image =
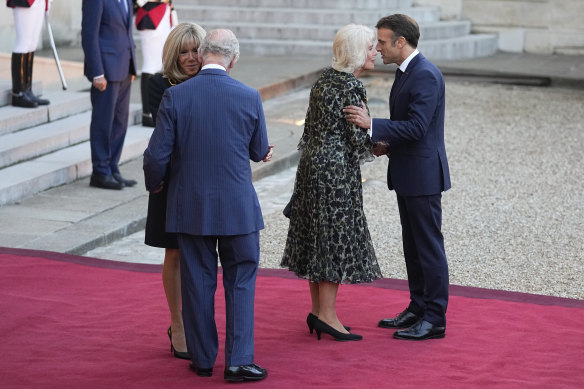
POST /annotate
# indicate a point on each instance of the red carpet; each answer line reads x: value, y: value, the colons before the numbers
x: 76, y: 322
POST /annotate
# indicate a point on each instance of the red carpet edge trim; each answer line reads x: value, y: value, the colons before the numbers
x: 386, y: 283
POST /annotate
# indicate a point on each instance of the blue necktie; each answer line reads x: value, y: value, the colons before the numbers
x: 125, y: 6
x: 398, y: 74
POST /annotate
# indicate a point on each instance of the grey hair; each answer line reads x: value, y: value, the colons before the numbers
x: 222, y: 43
x: 350, y: 47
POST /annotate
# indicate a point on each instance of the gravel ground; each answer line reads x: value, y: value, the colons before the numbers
x: 513, y: 218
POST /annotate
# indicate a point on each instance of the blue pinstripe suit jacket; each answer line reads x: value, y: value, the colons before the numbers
x: 210, y: 126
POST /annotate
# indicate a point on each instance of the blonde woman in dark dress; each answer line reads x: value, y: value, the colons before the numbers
x: 180, y: 62
x: 328, y: 240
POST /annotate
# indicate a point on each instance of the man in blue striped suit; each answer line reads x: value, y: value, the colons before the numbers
x: 210, y: 127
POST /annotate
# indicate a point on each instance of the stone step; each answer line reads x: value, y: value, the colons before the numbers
x: 285, y: 28
x: 308, y: 16
x: 43, y: 139
x: 50, y: 136
x: 13, y: 119
x: 332, y: 4
x: 299, y: 32
x: 63, y: 166
x: 444, y: 29
x: 468, y: 46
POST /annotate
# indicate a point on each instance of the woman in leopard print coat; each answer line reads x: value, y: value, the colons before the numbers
x: 328, y: 241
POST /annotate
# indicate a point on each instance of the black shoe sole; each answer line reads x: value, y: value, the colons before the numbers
x: 388, y: 327
x: 106, y: 187
x: 397, y: 328
x: 181, y: 355
x: 436, y: 336
x: 405, y: 325
x: 240, y: 379
x: 202, y: 372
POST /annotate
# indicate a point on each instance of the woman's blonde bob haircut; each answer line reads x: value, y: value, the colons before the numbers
x: 350, y: 47
x: 180, y: 36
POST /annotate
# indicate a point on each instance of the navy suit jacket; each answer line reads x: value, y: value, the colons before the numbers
x: 415, y: 131
x: 106, y: 38
x: 210, y: 126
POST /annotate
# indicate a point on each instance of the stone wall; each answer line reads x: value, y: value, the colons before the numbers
x: 531, y: 26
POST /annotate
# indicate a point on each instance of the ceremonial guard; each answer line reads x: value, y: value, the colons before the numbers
x: 28, y: 21
x: 154, y: 20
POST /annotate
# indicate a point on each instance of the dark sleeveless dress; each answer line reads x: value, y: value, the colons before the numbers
x: 155, y: 232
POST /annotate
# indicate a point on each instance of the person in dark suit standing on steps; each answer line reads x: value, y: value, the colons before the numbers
x: 211, y: 126
x: 110, y: 66
x: 418, y: 172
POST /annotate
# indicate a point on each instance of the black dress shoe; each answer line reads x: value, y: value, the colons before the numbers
x: 36, y: 98
x: 422, y: 330
x: 403, y: 320
x: 23, y: 100
x: 202, y: 372
x: 118, y: 177
x: 105, y: 182
x: 251, y: 372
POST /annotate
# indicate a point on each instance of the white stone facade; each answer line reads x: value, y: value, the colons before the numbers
x: 531, y: 26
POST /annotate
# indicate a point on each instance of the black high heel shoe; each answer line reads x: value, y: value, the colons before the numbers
x: 321, y: 326
x: 310, y: 321
x: 177, y: 354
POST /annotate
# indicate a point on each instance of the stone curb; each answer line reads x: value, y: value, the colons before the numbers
x: 135, y: 219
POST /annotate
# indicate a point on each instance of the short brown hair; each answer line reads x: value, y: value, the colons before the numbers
x: 401, y: 25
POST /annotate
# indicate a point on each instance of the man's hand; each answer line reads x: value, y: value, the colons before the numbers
x: 380, y: 149
x: 268, y: 156
x: 159, y: 188
x: 100, y: 83
x: 358, y: 115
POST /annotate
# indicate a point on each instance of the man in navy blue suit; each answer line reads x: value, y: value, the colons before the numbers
x: 110, y: 66
x: 418, y: 172
x: 211, y: 126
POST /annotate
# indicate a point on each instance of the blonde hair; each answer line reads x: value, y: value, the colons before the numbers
x: 180, y: 36
x: 350, y: 47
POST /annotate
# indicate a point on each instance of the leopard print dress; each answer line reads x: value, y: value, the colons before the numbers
x: 328, y: 238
